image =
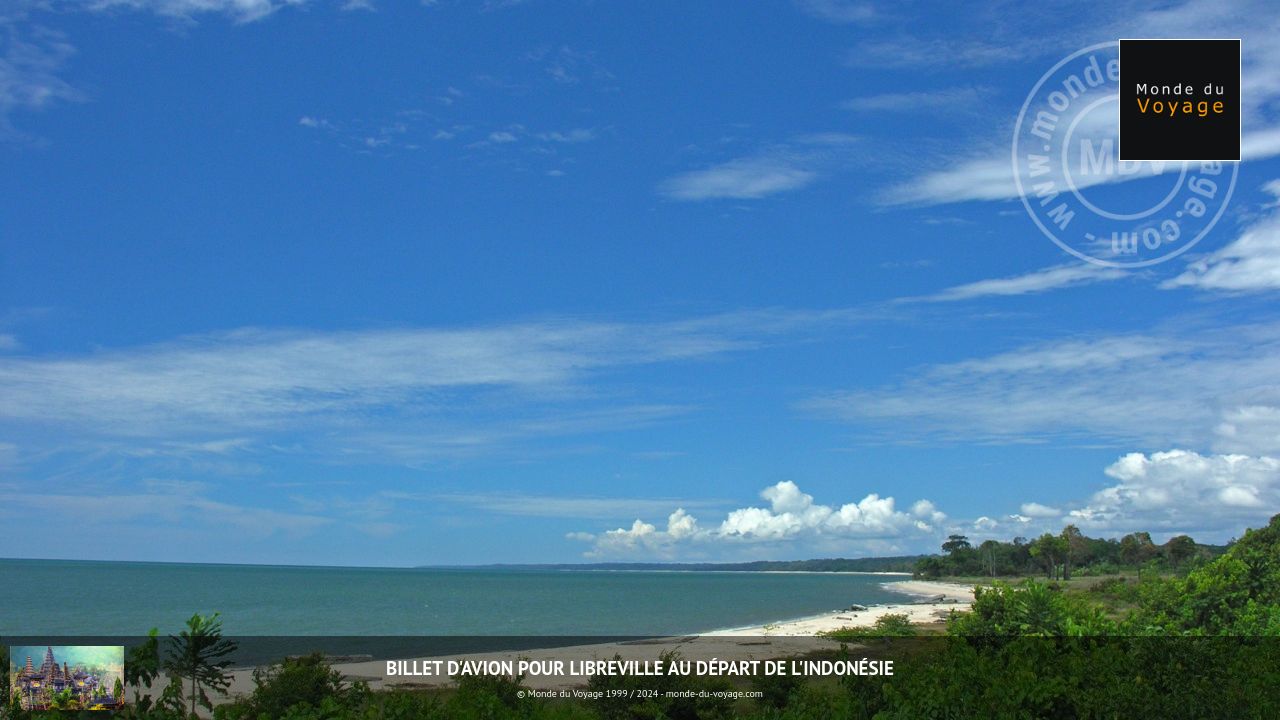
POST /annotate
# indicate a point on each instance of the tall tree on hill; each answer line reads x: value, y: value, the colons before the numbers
x: 1180, y: 548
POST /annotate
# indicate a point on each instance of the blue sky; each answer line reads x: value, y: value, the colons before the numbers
x: 457, y: 282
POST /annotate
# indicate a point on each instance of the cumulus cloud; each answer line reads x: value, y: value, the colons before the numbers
x: 1036, y: 510
x: 791, y: 514
x: 984, y: 524
x: 1184, y: 491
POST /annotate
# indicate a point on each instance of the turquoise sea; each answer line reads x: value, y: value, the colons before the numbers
x: 60, y: 597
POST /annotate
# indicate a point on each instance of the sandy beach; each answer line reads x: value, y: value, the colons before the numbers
x: 934, y: 602
x: 946, y: 597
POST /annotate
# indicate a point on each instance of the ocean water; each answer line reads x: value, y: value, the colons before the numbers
x: 44, y: 597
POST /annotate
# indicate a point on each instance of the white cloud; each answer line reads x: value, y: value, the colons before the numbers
x: 1249, y: 263
x: 576, y: 135
x: 838, y: 11
x: 502, y: 136
x: 319, y: 123
x: 949, y: 99
x: 782, y: 168
x: 30, y: 59
x: 988, y: 175
x: 952, y: 52
x: 1036, y: 510
x: 744, y: 178
x: 566, y: 66
x: 984, y: 524
x: 1201, y: 386
x: 410, y: 393
x: 169, y: 502
x: 791, y: 515
x: 1184, y: 491
x: 559, y: 506
x: 239, y: 10
x: 1050, y: 278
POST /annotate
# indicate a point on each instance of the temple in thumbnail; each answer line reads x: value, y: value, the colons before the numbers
x: 53, y: 685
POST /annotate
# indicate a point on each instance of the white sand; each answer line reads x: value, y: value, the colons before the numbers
x: 955, y: 597
x: 772, y: 640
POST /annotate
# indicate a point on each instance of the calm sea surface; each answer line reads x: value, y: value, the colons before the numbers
x: 70, y: 597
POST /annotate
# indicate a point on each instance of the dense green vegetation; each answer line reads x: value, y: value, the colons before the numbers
x: 1063, y: 555
x: 1200, y: 643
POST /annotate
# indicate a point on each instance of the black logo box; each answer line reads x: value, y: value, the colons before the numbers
x: 1180, y: 65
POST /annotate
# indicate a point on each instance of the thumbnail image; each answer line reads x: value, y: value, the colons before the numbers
x: 67, y: 677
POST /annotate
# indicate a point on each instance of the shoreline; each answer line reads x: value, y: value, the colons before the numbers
x: 770, y: 640
x: 951, y: 596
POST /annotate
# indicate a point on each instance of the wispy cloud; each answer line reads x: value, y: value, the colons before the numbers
x: 779, y: 169
x: 170, y: 503
x: 430, y: 387
x: 952, y: 100
x: 838, y: 11
x: 1216, y: 387
x: 31, y: 57
x: 1038, y: 281
x: 564, y: 506
x: 1248, y: 264
x: 988, y: 174
x: 743, y: 178
x: 565, y: 65
x: 952, y: 52
x: 239, y: 10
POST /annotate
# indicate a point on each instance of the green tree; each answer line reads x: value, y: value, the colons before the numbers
x: 956, y: 544
x: 1136, y: 548
x: 988, y: 551
x: 63, y: 700
x: 1180, y: 548
x: 198, y: 655
x: 141, y: 667
x: 929, y: 567
x: 1048, y: 549
x: 1073, y: 547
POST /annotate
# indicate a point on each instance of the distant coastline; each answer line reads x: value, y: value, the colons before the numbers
x: 898, y: 565
x: 893, y: 565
